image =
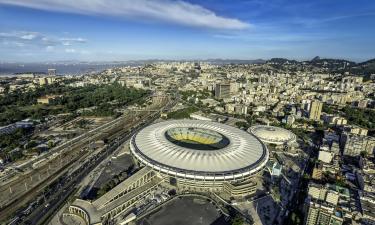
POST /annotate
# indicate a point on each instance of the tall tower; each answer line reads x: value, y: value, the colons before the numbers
x: 51, y: 72
x: 315, y: 110
x: 222, y: 90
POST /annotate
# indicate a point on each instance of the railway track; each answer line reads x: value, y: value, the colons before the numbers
x: 33, y: 192
x: 114, y: 130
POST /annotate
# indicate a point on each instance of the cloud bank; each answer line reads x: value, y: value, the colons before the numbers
x: 36, y: 39
x: 178, y: 12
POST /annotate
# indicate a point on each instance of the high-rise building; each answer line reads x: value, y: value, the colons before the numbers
x: 51, y: 72
x: 319, y: 214
x: 315, y: 110
x: 51, y: 80
x: 324, y: 204
x: 42, y: 81
x: 354, y: 144
x: 46, y: 80
x: 359, y: 130
x: 222, y: 90
x: 317, y: 172
x: 367, y: 200
x: 234, y: 87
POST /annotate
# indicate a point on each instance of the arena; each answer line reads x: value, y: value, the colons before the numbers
x: 199, y: 150
x: 187, y: 156
x: 272, y: 134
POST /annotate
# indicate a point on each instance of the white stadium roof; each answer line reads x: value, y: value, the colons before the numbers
x: 223, y: 152
x: 273, y: 135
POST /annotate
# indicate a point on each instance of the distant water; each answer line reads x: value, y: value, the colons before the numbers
x: 61, y: 68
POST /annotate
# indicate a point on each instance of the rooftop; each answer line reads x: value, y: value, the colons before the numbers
x: 272, y: 134
x: 199, y: 146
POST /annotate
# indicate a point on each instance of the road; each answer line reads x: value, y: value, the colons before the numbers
x: 299, y: 197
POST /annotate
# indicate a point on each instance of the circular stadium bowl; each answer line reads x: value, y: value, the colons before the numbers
x: 199, y: 150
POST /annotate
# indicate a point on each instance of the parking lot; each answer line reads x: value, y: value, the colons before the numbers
x: 114, y: 167
x: 185, y: 211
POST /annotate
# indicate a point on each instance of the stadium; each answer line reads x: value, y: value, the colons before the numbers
x: 273, y: 135
x: 188, y: 156
x: 199, y: 153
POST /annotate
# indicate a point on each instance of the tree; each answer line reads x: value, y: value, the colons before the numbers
x: 19, y: 105
x: 182, y: 113
x: 51, y: 144
x: 364, y: 154
x: 237, y: 220
x: 31, y: 144
x: 241, y: 124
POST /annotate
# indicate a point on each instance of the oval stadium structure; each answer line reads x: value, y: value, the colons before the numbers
x: 272, y: 134
x: 199, y: 150
x: 187, y: 156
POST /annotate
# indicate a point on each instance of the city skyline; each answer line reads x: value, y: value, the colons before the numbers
x: 39, y: 30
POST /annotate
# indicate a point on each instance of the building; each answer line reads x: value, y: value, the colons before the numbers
x: 23, y: 124
x: 320, y: 214
x: 315, y: 110
x: 353, y: 144
x: 229, y: 108
x: 327, y: 205
x: 276, y: 169
x: 359, y: 131
x: 289, y: 119
x: 234, y: 87
x: 47, y: 99
x: 42, y: 81
x: 326, y: 156
x: 336, y: 120
x: 317, y: 172
x: 273, y: 135
x: 362, y: 103
x: 368, y: 205
x: 185, y: 155
x: 197, y: 116
x: 52, y: 72
x: 139, y: 82
x: 240, y: 109
x: 222, y: 91
x: 195, y: 152
x: 46, y: 80
x: 51, y: 80
x: 8, y: 129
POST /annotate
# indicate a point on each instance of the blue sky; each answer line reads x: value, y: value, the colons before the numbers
x: 105, y: 30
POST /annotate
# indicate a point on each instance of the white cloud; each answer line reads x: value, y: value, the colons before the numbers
x: 5, y: 35
x: 36, y: 39
x: 50, y: 48
x: 24, y: 35
x: 80, y: 40
x: 29, y: 36
x: 19, y: 44
x: 179, y: 12
x: 12, y: 43
x: 70, y: 50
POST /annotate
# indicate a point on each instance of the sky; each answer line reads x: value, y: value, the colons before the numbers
x: 108, y: 30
